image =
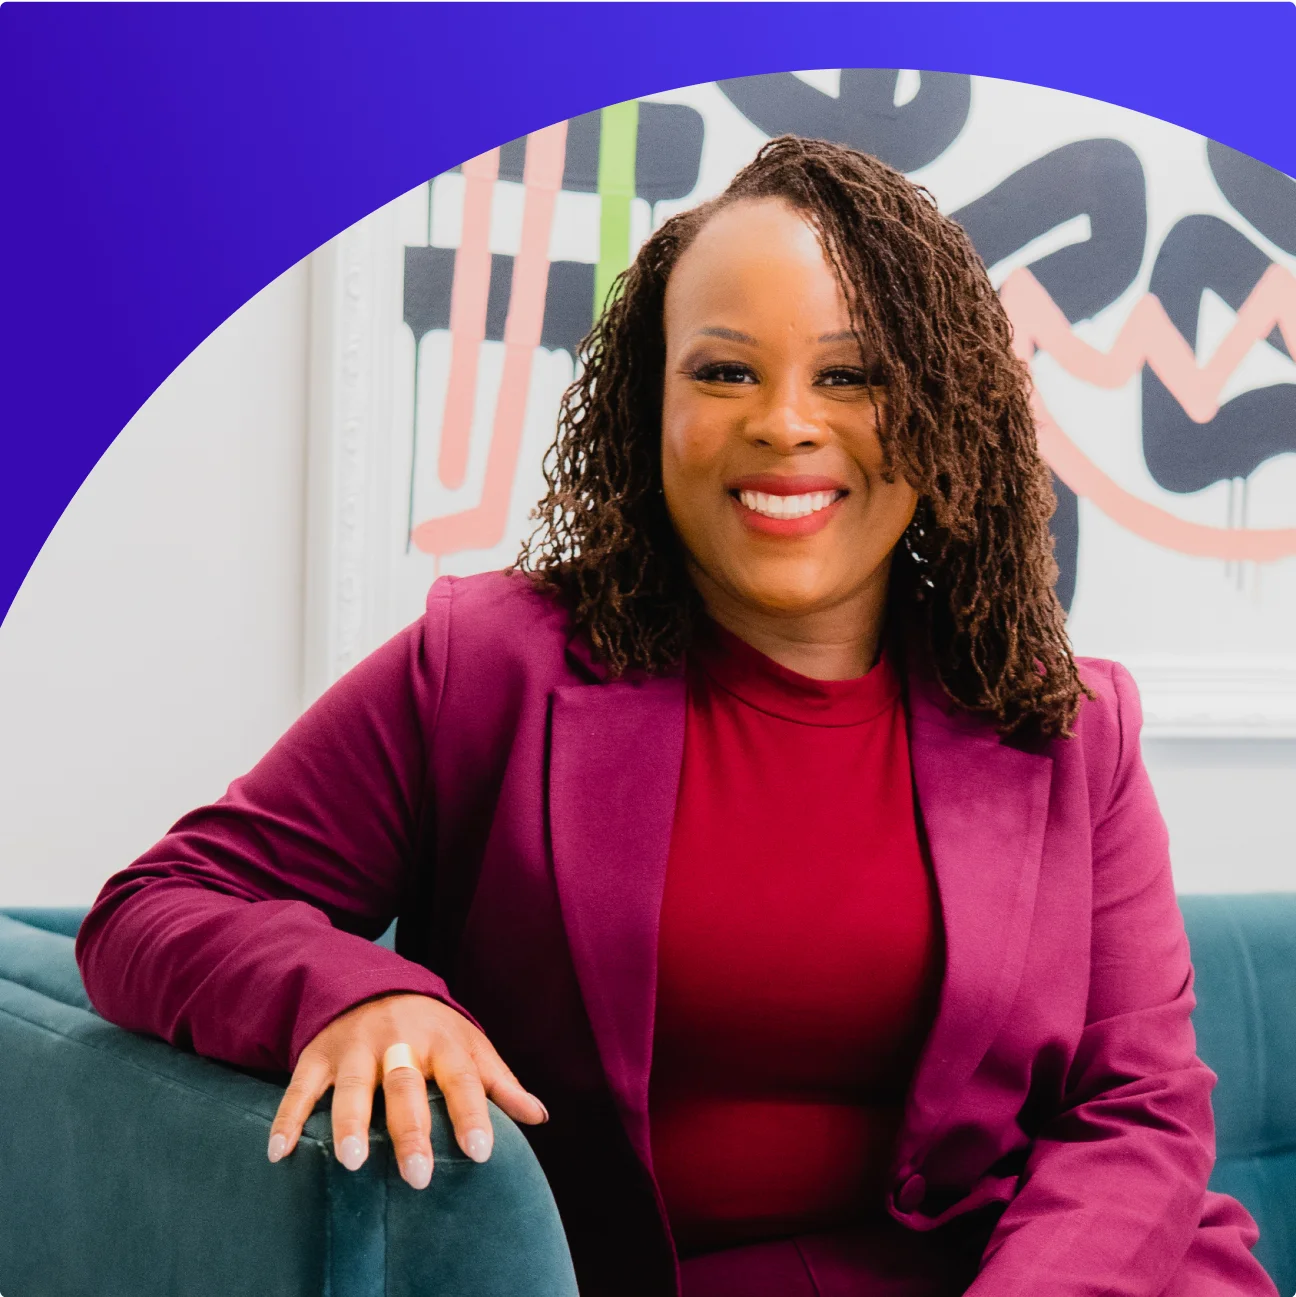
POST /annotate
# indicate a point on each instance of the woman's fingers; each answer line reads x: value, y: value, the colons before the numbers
x: 456, y: 1074
x: 311, y: 1077
x: 507, y: 1091
x: 409, y: 1123
x: 408, y: 1037
x: 353, y: 1090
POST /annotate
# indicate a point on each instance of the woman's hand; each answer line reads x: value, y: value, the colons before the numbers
x: 347, y: 1055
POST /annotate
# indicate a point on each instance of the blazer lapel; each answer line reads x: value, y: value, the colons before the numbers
x: 615, y: 757
x: 983, y: 805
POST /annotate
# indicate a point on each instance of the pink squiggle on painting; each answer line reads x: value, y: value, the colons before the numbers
x: 483, y: 527
x: 1149, y: 337
x: 469, y: 294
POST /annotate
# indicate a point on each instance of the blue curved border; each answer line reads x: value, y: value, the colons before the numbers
x: 161, y: 163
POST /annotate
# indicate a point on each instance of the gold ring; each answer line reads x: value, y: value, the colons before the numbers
x: 400, y: 1055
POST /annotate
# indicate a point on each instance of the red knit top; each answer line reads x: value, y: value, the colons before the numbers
x: 800, y: 950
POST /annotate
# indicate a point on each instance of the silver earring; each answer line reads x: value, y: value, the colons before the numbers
x: 915, y: 537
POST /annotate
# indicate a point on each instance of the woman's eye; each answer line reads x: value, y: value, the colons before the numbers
x: 843, y: 376
x: 723, y: 372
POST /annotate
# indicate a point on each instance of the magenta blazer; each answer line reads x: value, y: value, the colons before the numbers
x: 480, y: 778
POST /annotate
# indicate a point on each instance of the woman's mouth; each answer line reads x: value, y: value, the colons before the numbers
x: 779, y: 513
x: 788, y: 506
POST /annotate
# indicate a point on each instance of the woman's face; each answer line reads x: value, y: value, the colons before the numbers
x: 771, y: 462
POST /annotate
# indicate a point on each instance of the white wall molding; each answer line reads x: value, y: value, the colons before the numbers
x: 348, y: 449
x: 1216, y: 697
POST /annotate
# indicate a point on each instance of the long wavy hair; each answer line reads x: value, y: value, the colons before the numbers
x: 972, y: 590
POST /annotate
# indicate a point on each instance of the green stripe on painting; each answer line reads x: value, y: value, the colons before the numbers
x: 618, y: 140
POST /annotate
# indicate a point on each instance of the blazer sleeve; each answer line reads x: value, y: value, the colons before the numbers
x: 1114, y: 1184
x: 248, y: 928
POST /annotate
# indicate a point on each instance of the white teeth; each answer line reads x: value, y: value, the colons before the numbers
x: 787, y: 506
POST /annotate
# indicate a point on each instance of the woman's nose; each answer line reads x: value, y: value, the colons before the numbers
x: 785, y: 422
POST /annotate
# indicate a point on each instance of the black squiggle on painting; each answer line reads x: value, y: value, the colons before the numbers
x: 569, y: 299
x: 668, y: 152
x: 1065, y: 526
x: 1266, y: 197
x: 668, y: 157
x: 569, y: 305
x: 864, y: 114
x: 1102, y: 179
x: 429, y: 272
x: 1203, y: 252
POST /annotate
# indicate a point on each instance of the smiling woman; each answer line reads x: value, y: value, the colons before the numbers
x: 760, y: 819
x: 770, y: 435
x: 844, y: 321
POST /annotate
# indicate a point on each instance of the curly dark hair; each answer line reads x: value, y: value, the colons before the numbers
x: 957, y: 424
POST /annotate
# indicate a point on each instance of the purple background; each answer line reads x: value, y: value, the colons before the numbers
x: 162, y: 163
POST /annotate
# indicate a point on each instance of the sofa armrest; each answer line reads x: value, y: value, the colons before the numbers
x: 130, y: 1167
x: 50, y: 918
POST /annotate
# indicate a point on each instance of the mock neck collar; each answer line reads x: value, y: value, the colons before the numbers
x: 759, y: 681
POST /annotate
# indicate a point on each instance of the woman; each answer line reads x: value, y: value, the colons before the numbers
x: 760, y: 821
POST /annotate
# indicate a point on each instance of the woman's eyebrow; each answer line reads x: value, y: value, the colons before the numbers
x: 729, y: 335
x: 736, y: 335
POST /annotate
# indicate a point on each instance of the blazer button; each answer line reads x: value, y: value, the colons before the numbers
x: 910, y: 1194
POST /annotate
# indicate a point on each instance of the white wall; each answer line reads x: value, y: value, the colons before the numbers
x: 155, y: 649
x: 1230, y: 805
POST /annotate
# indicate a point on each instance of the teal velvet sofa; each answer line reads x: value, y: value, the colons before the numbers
x: 128, y: 1167
x: 132, y: 1169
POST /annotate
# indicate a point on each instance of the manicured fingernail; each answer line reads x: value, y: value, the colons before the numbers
x: 278, y: 1147
x: 417, y: 1170
x: 544, y: 1111
x: 352, y: 1152
x: 477, y: 1144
